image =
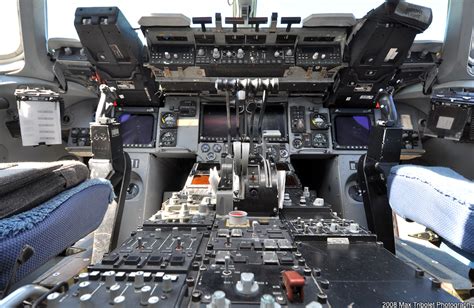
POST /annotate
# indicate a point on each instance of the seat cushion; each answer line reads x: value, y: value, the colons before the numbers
x: 53, y: 226
x: 28, y: 184
x: 436, y: 197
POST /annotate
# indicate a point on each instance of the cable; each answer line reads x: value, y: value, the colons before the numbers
x: 25, y: 254
x: 229, y: 125
x: 59, y: 285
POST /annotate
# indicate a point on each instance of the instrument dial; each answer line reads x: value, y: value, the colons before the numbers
x: 211, y: 156
x: 168, y: 139
x: 283, y: 153
x: 217, y: 148
x: 272, y: 152
x: 205, y: 147
x: 297, y: 143
x: 319, y: 121
x: 169, y: 120
x: 320, y: 140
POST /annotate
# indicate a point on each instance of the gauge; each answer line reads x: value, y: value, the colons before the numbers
x: 211, y: 156
x: 283, y: 153
x: 168, y: 139
x: 297, y: 143
x: 205, y: 147
x: 217, y: 148
x: 168, y: 120
x: 320, y: 140
x: 272, y: 152
x: 318, y: 121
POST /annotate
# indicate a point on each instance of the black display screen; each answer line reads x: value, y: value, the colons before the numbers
x: 352, y: 130
x: 136, y: 128
x: 214, y: 122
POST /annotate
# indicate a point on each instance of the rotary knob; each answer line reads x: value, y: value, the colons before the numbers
x: 167, y: 55
x: 240, y: 53
x: 201, y: 52
x: 216, y: 54
x: 276, y: 54
x: 219, y: 300
x: 315, y: 55
x: 167, y: 285
x: 114, y: 292
x: 53, y: 299
x: 268, y: 301
x: 139, y: 280
x: 109, y: 279
x: 247, y: 284
x: 145, y: 295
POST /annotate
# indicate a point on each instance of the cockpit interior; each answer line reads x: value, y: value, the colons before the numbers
x: 240, y: 153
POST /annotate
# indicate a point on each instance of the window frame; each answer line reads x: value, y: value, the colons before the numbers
x: 7, y: 61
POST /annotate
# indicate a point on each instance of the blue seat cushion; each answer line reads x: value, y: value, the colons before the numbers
x: 436, y: 197
x: 53, y: 226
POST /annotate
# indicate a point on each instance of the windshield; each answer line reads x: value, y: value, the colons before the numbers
x: 61, y: 13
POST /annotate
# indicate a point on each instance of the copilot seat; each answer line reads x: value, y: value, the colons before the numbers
x: 438, y: 198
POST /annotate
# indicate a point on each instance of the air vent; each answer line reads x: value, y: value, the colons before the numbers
x: 205, y: 39
x: 170, y: 38
x: 256, y: 39
x: 286, y: 39
x: 319, y: 39
x: 235, y: 39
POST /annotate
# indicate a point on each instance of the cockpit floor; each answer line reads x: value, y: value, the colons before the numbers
x: 429, y: 257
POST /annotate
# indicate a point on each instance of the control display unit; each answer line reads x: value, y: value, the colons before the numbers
x: 138, y: 126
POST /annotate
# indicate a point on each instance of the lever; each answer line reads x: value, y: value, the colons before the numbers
x: 202, y: 21
x: 257, y: 21
x: 239, y: 101
x: 289, y: 21
x: 261, y: 114
x: 234, y: 21
x: 229, y: 124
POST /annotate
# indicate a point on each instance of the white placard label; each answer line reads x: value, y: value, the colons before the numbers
x: 40, y: 122
x: 391, y: 54
x: 445, y: 122
x: 338, y: 240
x: 406, y: 121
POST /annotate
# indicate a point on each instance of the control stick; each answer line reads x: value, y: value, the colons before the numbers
x: 109, y: 160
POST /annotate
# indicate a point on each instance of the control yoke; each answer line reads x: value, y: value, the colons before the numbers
x: 109, y: 160
x: 389, y: 111
x: 373, y: 168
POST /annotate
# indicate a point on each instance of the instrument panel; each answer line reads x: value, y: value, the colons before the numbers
x: 189, y: 126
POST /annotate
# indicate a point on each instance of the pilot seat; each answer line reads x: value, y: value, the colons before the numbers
x: 44, y: 209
